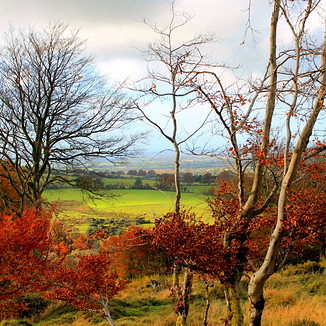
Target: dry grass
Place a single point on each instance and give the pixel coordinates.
(298, 300)
(294, 300)
(309, 308)
(289, 300)
(164, 317)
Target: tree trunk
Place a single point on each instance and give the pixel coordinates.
(259, 278)
(208, 304)
(234, 311)
(108, 315)
(181, 320)
(183, 308)
(235, 315)
(177, 179)
(257, 301)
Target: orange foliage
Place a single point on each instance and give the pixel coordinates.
(24, 245)
(133, 253)
(306, 208)
(85, 283)
(195, 244)
(200, 246)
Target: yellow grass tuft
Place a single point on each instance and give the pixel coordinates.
(309, 308)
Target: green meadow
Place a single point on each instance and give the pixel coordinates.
(126, 181)
(75, 208)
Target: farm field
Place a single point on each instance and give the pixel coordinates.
(76, 208)
(125, 181)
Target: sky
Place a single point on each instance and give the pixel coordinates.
(115, 31)
(114, 28)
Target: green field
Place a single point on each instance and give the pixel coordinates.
(75, 208)
(126, 181)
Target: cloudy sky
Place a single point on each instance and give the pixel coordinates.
(114, 28)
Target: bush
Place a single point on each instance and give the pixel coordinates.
(306, 268)
(35, 305)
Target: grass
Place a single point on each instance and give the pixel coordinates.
(76, 208)
(294, 297)
(295, 300)
(291, 300)
(127, 181)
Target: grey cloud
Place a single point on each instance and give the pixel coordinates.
(86, 11)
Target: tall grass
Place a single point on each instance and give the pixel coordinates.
(304, 309)
(291, 300)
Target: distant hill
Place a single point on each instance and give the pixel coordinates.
(165, 163)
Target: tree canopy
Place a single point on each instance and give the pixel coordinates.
(55, 110)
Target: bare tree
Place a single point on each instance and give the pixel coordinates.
(314, 101)
(55, 110)
(171, 82)
(293, 80)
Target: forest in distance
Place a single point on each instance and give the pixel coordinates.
(226, 229)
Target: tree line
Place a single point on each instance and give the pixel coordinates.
(94, 180)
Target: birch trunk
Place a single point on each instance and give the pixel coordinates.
(259, 278)
(108, 315)
(185, 298)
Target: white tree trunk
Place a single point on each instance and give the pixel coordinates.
(259, 278)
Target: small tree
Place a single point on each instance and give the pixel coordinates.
(133, 254)
(188, 178)
(171, 80)
(207, 178)
(86, 284)
(54, 109)
(166, 181)
(138, 183)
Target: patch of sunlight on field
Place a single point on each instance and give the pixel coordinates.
(52, 195)
(128, 201)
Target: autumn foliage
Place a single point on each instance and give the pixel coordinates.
(81, 273)
(134, 254)
(84, 282)
(24, 248)
(305, 225)
(88, 271)
(215, 248)
(34, 258)
(194, 244)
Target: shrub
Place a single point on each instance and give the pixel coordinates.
(306, 268)
(35, 305)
